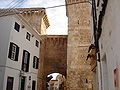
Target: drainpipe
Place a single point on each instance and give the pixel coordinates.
(96, 41)
(95, 29)
(94, 19)
(99, 31)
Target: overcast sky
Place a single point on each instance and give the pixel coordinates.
(56, 16)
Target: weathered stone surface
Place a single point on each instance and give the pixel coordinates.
(79, 75)
(53, 58)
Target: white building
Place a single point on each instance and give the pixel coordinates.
(108, 69)
(110, 46)
(19, 50)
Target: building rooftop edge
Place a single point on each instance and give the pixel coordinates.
(12, 11)
(32, 30)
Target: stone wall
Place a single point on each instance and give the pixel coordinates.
(53, 58)
(56, 54)
(79, 75)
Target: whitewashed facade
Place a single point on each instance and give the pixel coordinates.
(108, 69)
(12, 75)
(110, 47)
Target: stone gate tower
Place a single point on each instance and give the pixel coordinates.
(79, 75)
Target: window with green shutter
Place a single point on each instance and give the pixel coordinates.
(13, 51)
(25, 61)
(35, 62)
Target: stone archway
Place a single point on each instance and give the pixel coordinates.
(56, 81)
(53, 58)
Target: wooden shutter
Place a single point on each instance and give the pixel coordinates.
(17, 53)
(34, 62)
(28, 59)
(22, 68)
(17, 26)
(24, 64)
(10, 50)
(37, 63)
(10, 81)
(33, 85)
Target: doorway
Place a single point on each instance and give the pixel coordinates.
(23, 83)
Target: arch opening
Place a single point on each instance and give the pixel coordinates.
(56, 81)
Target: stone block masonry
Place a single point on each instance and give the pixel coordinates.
(79, 74)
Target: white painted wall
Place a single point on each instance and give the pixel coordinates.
(12, 73)
(19, 38)
(9, 34)
(5, 28)
(110, 44)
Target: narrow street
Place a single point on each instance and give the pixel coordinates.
(59, 45)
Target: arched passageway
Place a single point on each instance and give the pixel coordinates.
(56, 81)
(53, 58)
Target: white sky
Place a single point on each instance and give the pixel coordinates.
(54, 75)
(57, 16)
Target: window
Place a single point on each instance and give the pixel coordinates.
(10, 81)
(33, 85)
(35, 62)
(17, 26)
(13, 52)
(37, 43)
(23, 78)
(28, 36)
(25, 61)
